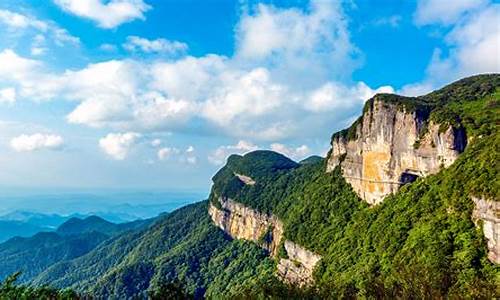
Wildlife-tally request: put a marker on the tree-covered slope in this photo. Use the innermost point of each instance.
(74, 238)
(33, 255)
(10, 229)
(183, 246)
(76, 226)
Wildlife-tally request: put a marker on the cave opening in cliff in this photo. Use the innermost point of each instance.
(407, 177)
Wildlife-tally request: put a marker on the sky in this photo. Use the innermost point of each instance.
(157, 93)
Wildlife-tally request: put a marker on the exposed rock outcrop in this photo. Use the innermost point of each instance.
(245, 179)
(391, 146)
(242, 222)
(299, 266)
(488, 212)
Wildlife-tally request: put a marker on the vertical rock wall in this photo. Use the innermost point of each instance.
(389, 151)
(299, 266)
(242, 222)
(488, 212)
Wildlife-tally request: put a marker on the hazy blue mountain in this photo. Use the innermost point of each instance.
(26, 223)
(76, 226)
(113, 205)
(75, 237)
(9, 229)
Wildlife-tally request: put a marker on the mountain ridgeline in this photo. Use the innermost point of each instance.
(405, 205)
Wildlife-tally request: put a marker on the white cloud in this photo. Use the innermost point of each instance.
(187, 156)
(273, 96)
(392, 21)
(15, 21)
(117, 145)
(7, 95)
(444, 12)
(219, 156)
(156, 142)
(135, 43)
(297, 153)
(167, 152)
(16, 67)
(37, 141)
(473, 44)
(295, 40)
(248, 95)
(107, 47)
(334, 96)
(190, 156)
(107, 14)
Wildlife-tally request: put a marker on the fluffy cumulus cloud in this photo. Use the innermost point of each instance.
(42, 32)
(37, 141)
(472, 39)
(338, 97)
(7, 95)
(167, 152)
(188, 156)
(156, 143)
(297, 153)
(293, 41)
(118, 145)
(107, 14)
(135, 43)
(392, 21)
(297, 81)
(444, 12)
(219, 155)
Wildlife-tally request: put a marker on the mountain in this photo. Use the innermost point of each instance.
(25, 223)
(359, 224)
(405, 205)
(9, 229)
(182, 245)
(311, 160)
(75, 237)
(34, 254)
(76, 226)
(39, 219)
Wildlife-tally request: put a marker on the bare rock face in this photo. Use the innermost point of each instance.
(488, 212)
(299, 266)
(389, 150)
(245, 179)
(242, 222)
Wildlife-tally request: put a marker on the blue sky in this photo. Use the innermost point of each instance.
(156, 94)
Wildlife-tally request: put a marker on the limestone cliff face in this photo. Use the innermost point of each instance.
(299, 266)
(488, 212)
(242, 222)
(388, 150)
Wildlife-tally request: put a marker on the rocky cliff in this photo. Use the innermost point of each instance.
(391, 145)
(241, 222)
(298, 267)
(488, 212)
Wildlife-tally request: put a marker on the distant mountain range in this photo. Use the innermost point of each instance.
(38, 214)
(25, 223)
(73, 238)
